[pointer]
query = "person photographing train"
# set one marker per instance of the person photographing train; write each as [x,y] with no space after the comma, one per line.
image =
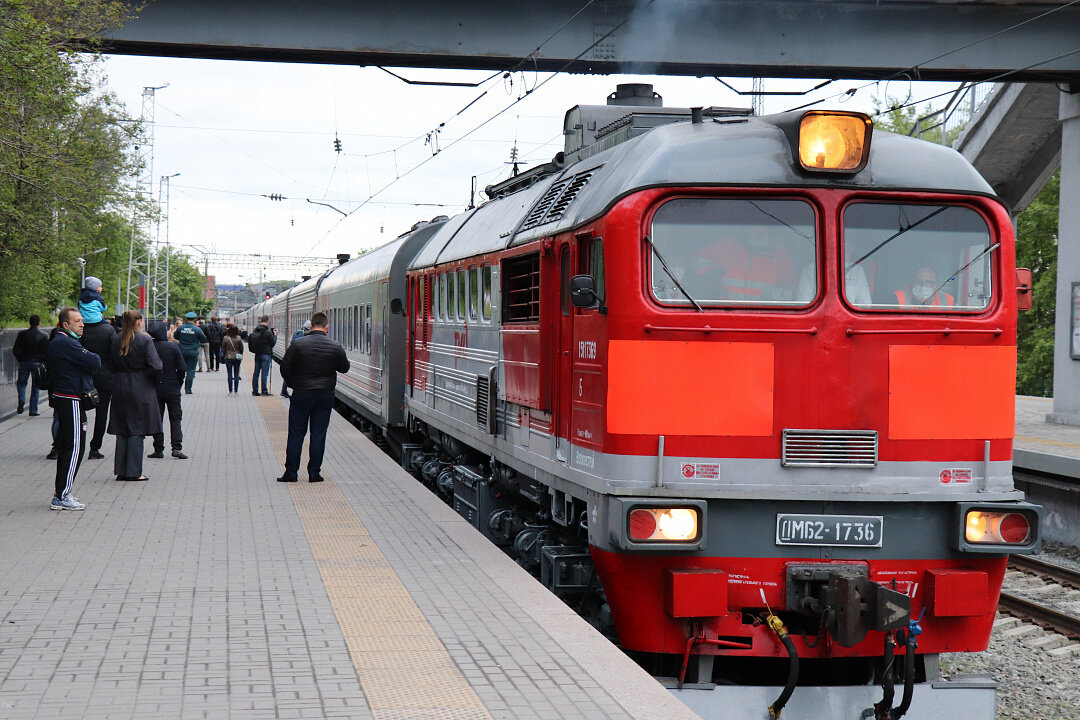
[310,368]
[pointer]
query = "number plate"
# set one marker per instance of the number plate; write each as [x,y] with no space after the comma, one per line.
[842,530]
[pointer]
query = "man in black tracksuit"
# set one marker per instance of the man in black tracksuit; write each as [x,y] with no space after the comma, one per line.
[310,368]
[98,338]
[71,368]
[173,371]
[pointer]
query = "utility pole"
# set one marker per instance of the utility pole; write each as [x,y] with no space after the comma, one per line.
[160,280]
[138,253]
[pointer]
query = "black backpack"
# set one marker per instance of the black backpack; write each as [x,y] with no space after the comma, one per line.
[39,376]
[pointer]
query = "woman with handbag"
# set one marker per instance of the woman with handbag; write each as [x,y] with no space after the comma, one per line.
[135,365]
[232,347]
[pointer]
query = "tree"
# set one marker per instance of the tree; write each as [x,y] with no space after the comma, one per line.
[1036,248]
[63,148]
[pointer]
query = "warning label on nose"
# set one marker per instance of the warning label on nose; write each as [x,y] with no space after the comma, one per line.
[701,471]
[957,476]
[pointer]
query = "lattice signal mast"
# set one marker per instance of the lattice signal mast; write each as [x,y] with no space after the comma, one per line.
[759,96]
[138,273]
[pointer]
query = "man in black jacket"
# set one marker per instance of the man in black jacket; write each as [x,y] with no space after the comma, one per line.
[173,372]
[261,344]
[214,334]
[310,368]
[31,346]
[98,338]
[71,368]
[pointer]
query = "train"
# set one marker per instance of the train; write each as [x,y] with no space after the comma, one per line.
[740,388]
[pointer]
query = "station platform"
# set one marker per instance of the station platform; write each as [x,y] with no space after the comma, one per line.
[1043,446]
[212,591]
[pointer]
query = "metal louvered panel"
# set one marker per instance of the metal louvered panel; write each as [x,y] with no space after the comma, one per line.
[485,401]
[830,448]
[536,216]
[567,196]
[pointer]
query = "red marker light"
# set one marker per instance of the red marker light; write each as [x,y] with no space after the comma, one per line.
[642,524]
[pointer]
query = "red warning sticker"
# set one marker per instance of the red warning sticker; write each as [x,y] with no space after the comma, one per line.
[701,471]
[955,476]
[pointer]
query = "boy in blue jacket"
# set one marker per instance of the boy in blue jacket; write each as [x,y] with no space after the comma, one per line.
[92,306]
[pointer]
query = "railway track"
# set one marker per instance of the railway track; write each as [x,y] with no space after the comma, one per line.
[1045,615]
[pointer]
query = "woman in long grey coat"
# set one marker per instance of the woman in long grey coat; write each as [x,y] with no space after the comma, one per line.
[134,412]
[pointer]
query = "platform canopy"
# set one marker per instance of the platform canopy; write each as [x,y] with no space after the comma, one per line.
[1009,40]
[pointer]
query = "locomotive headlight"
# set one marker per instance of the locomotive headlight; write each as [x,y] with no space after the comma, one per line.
[663,524]
[834,141]
[999,527]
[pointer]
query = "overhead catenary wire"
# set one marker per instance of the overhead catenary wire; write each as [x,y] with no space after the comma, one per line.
[490,119]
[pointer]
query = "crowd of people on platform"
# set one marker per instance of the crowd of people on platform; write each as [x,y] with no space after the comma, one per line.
[130,376]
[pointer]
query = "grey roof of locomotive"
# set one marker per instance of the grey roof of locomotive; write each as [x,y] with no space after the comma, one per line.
[735,151]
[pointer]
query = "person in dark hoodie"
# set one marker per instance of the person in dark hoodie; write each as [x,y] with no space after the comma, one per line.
[70,367]
[98,339]
[173,371]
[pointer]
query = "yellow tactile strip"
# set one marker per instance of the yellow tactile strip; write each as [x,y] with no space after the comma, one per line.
[405,670]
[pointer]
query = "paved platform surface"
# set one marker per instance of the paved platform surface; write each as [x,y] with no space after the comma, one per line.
[1034,433]
[212,591]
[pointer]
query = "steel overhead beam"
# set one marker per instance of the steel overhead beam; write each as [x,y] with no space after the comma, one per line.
[770,38]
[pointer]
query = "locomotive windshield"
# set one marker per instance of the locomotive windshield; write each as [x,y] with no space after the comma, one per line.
[726,251]
[923,258]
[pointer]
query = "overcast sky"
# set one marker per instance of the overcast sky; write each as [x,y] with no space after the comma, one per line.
[239,131]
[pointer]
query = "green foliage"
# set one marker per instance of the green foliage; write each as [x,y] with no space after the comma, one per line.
[63,151]
[1036,248]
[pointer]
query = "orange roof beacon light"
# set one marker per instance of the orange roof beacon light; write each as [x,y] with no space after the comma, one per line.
[834,141]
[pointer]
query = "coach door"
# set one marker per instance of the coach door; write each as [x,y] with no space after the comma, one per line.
[564,364]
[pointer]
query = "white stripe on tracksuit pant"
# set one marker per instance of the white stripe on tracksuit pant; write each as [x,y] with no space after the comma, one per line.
[70,442]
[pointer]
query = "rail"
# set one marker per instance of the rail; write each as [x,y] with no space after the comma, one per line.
[1037,613]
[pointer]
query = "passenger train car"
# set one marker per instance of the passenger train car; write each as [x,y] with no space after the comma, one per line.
[740,387]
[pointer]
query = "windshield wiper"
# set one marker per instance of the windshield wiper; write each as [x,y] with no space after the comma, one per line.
[671,275]
[952,277]
[897,234]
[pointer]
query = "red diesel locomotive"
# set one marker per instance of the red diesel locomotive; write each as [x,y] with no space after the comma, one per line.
[740,387]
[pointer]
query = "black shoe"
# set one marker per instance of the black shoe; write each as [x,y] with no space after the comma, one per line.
[22,406]
[288,477]
[156,454]
[34,414]
[266,393]
[188,392]
[284,394]
[122,478]
[51,455]
[315,478]
[95,455]
[255,393]
[179,455]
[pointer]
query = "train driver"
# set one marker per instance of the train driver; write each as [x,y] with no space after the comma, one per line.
[923,291]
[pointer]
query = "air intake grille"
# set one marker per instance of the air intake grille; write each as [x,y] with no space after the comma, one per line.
[556,200]
[485,405]
[830,448]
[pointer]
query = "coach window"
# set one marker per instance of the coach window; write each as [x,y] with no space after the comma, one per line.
[474,293]
[367,329]
[917,258]
[733,252]
[356,327]
[440,295]
[486,289]
[462,291]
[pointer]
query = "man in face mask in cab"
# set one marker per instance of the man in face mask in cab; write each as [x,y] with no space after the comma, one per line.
[923,291]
